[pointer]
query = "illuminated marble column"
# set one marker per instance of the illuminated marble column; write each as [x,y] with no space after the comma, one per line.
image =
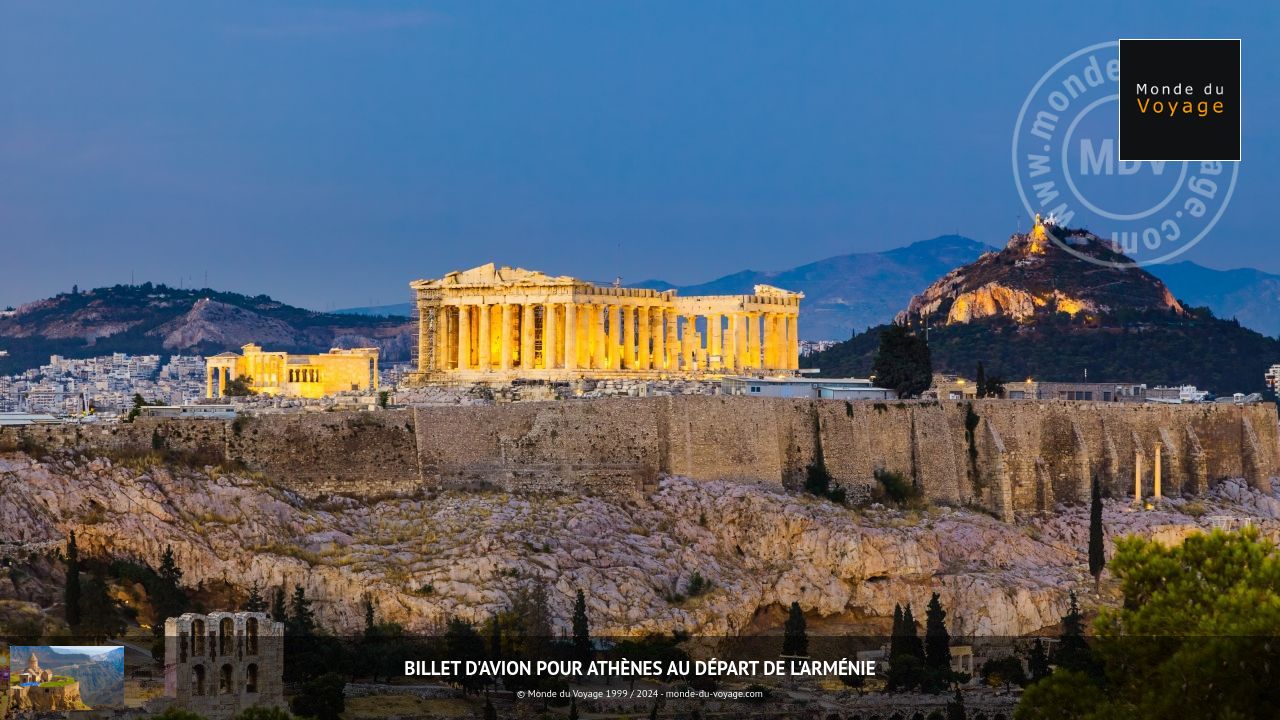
[729,348]
[527,342]
[595,327]
[208,381]
[484,342]
[464,337]
[1155,490]
[658,329]
[1137,478]
[223,375]
[585,331]
[628,337]
[715,343]
[614,361]
[642,345]
[740,341]
[570,336]
[769,339]
[793,341]
[550,327]
[443,338]
[424,321]
[505,340]
[753,340]
[672,320]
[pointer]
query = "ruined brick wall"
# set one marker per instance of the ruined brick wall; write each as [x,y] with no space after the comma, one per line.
[1009,456]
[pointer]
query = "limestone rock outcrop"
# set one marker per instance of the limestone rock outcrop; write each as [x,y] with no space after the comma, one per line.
[431,556]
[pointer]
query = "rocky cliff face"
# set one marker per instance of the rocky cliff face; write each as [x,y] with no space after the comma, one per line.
[1035,276]
[465,554]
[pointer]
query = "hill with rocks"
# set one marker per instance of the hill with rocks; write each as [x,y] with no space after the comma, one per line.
[1037,309]
[156,319]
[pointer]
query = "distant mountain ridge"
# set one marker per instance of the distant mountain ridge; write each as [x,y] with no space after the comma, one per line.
[155,319]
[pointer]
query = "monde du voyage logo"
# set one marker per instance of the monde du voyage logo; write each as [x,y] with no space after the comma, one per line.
[1134,140]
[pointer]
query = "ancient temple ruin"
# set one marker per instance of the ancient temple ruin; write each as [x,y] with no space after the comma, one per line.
[219,664]
[499,324]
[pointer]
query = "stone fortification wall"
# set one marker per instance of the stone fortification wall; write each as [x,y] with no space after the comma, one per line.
[1008,456]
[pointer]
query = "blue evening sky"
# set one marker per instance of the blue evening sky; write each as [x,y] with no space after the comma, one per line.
[328,153]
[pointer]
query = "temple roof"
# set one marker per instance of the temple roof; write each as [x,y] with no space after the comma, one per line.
[490,275]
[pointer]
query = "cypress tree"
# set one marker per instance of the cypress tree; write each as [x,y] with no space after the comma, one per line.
[895,639]
[795,641]
[495,638]
[911,635]
[71,595]
[1073,652]
[981,381]
[302,621]
[581,630]
[278,612]
[368,616]
[906,659]
[937,645]
[255,602]
[1097,555]
[1038,662]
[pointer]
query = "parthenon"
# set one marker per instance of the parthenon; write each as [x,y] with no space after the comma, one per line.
[497,324]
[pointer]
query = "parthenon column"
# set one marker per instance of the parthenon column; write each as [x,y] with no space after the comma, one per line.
[464,337]
[769,339]
[715,347]
[424,363]
[550,347]
[642,344]
[527,323]
[729,347]
[584,336]
[599,351]
[614,361]
[657,328]
[570,336]
[443,338]
[485,343]
[793,341]
[504,336]
[753,340]
[628,337]
[686,341]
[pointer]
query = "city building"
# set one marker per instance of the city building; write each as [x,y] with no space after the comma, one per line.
[282,373]
[1273,378]
[492,324]
[952,387]
[207,412]
[801,387]
[1177,395]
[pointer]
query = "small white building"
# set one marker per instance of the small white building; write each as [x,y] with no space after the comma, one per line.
[1273,378]
[792,387]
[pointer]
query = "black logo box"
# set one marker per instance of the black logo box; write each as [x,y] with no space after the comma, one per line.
[1184,64]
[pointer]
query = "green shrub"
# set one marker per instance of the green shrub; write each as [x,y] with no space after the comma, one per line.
[895,487]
